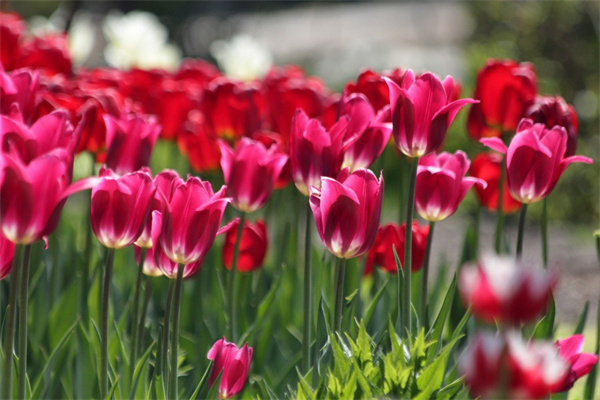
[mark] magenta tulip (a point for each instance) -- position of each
(7, 251)
(235, 364)
(580, 364)
(347, 211)
(251, 171)
(535, 159)
(20, 94)
(120, 207)
(191, 220)
(129, 142)
(422, 110)
(442, 185)
(314, 151)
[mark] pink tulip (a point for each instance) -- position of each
(422, 110)
(314, 151)
(20, 94)
(191, 220)
(368, 130)
(251, 172)
(33, 195)
(500, 289)
(347, 211)
(7, 250)
(535, 159)
(235, 364)
(442, 185)
(120, 207)
(129, 141)
(580, 364)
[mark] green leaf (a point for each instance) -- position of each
(111, 392)
(544, 329)
(138, 369)
(461, 326)
(160, 388)
(264, 310)
(201, 383)
(582, 319)
(342, 362)
(450, 390)
(432, 376)
(374, 302)
(438, 326)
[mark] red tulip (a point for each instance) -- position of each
(442, 185)
(251, 172)
(253, 246)
(535, 160)
(552, 111)
(373, 86)
(505, 90)
(347, 211)
(422, 110)
(7, 250)
(369, 133)
(314, 151)
(32, 195)
(12, 28)
(191, 220)
(488, 167)
(120, 207)
(20, 88)
(500, 289)
(48, 54)
(580, 364)
(200, 147)
(496, 365)
(130, 140)
(392, 236)
(235, 364)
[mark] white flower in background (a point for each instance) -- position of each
(82, 37)
(242, 57)
(138, 39)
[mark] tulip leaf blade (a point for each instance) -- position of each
(200, 386)
(371, 307)
(545, 327)
(582, 319)
(438, 325)
(138, 369)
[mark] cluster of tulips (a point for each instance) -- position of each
(264, 134)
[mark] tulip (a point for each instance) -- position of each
(7, 251)
(505, 89)
(21, 88)
(251, 172)
(580, 364)
(488, 167)
(129, 141)
(252, 247)
(314, 151)
(12, 29)
(198, 145)
(503, 290)
(506, 366)
(48, 54)
(120, 207)
(422, 110)
(234, 364)
(392, 236)
(552, 111)
(373, 86)
(535, 159)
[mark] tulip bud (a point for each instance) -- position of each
(235, 364)
(552, 111)
(580, 364)
(252, 249)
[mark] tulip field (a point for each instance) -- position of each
(183, 234)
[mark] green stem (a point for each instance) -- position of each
(340, 269)
(110, 257)
(590, 384)
(521, 231)
(166, 329)
(545, 232)
(424, 305)
(499, 242)
(175, 336)
(23, 306)
(142, 319)
(306, 334)
(410, 205)
(135, 318)
(231, 293)
(9, 334)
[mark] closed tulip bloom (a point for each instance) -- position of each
(251, 171)
(442, 184)
(501, 289)
(191, 220)
(392, 236)
(422, 110)
(253, 246)
(580, 364)
(347, 211)
(130, 140)
(488, 167)
(7, 251)
(505, 89)
(535, 159)
(20, 88)
(314, 151)
(33, 195)
(234, 362)
(120, 207)
(373, 86)
(551, 111)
